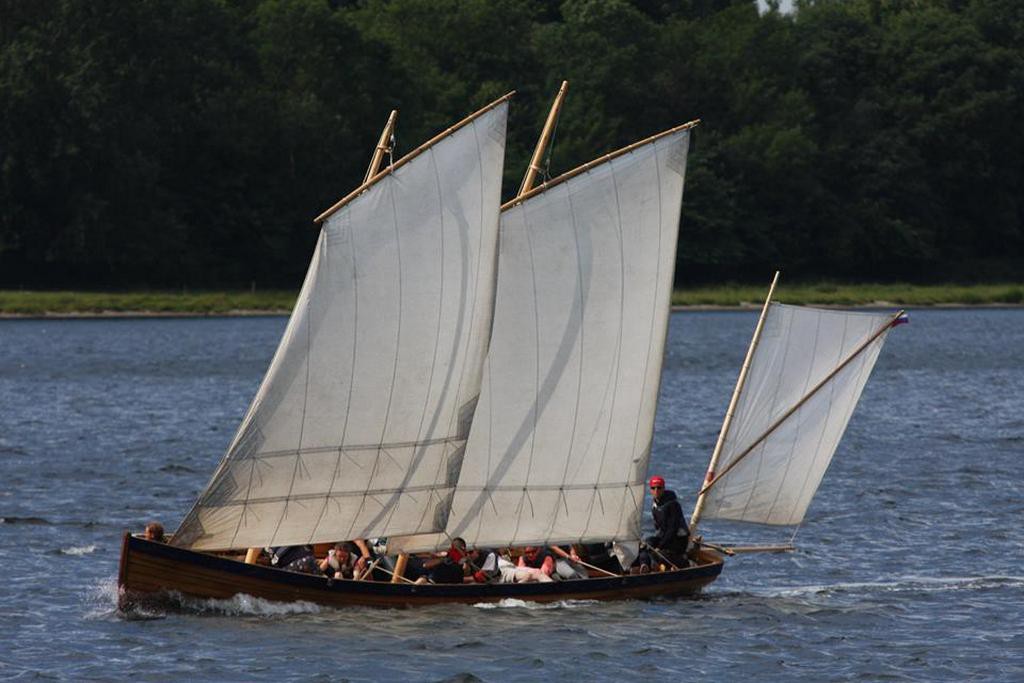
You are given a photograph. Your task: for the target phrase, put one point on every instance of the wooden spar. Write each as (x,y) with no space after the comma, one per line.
(740,381)
(382,148)
(665,559)
(251,555)
(369,570)
(409,157)
(785,416)
(396,576)
(596,162)
(558,551)
(737,549)
(719,548)
(542,144)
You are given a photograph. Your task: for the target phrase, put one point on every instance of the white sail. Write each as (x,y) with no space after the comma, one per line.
(561,438)
(772,478)
(359,426)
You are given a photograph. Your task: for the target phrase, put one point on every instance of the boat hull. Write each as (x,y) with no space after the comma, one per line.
(150,571)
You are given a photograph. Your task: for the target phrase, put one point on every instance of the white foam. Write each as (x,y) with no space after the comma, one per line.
(248,605)
(904,584)
(78,550)
(515,603)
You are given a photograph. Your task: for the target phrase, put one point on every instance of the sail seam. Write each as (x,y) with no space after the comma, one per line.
(764,442)
(394,445)
(305,401)
(352,367)
(398,348)
(796,438)
(579,372)
(618,344)
(536,378)
(392,508)
(650,340)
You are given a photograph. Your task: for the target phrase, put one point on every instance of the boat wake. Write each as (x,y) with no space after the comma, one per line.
(243,605)
(907,584)
(103,599)
(515,603)
(102,604)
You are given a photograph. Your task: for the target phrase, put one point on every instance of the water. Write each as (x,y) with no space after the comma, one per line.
(909,564)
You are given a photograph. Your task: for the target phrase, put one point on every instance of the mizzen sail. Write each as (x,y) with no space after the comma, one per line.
(360,424)
(805,378)
(561,438)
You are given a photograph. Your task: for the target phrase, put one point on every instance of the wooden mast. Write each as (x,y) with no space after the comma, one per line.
(796,406)
(383,147)
(542,144)
(740,381)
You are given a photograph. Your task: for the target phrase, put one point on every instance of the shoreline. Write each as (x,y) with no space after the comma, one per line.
(85,305)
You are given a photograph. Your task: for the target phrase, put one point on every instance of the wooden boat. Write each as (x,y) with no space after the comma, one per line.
(507,406)
(153,571)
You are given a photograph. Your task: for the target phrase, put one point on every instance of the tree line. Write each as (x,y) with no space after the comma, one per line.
(189,143)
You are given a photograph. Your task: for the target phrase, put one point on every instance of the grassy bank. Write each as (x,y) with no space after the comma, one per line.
(853,295)
(165,303)
(221,303)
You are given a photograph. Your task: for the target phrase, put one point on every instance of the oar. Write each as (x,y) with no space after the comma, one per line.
(658,553)
(394,575)
(761,549)
(567,556)
(369,569)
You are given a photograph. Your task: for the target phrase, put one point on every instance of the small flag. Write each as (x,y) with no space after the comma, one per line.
(901,319)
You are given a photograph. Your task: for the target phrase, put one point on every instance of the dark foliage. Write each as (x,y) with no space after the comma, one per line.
(190,143)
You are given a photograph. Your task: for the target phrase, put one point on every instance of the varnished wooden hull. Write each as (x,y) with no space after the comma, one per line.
(150,570)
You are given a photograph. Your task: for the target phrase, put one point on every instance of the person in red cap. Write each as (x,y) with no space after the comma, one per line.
(673,534)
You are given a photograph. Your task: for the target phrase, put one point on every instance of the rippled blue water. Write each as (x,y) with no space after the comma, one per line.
(909,562)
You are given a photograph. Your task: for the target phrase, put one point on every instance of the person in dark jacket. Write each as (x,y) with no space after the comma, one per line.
(673,533)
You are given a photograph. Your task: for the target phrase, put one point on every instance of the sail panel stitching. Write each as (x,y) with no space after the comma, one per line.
(352,366)
(537,381)
(398,342)
(582,297)
(614,385)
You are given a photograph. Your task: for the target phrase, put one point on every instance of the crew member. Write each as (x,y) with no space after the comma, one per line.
(673,534)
